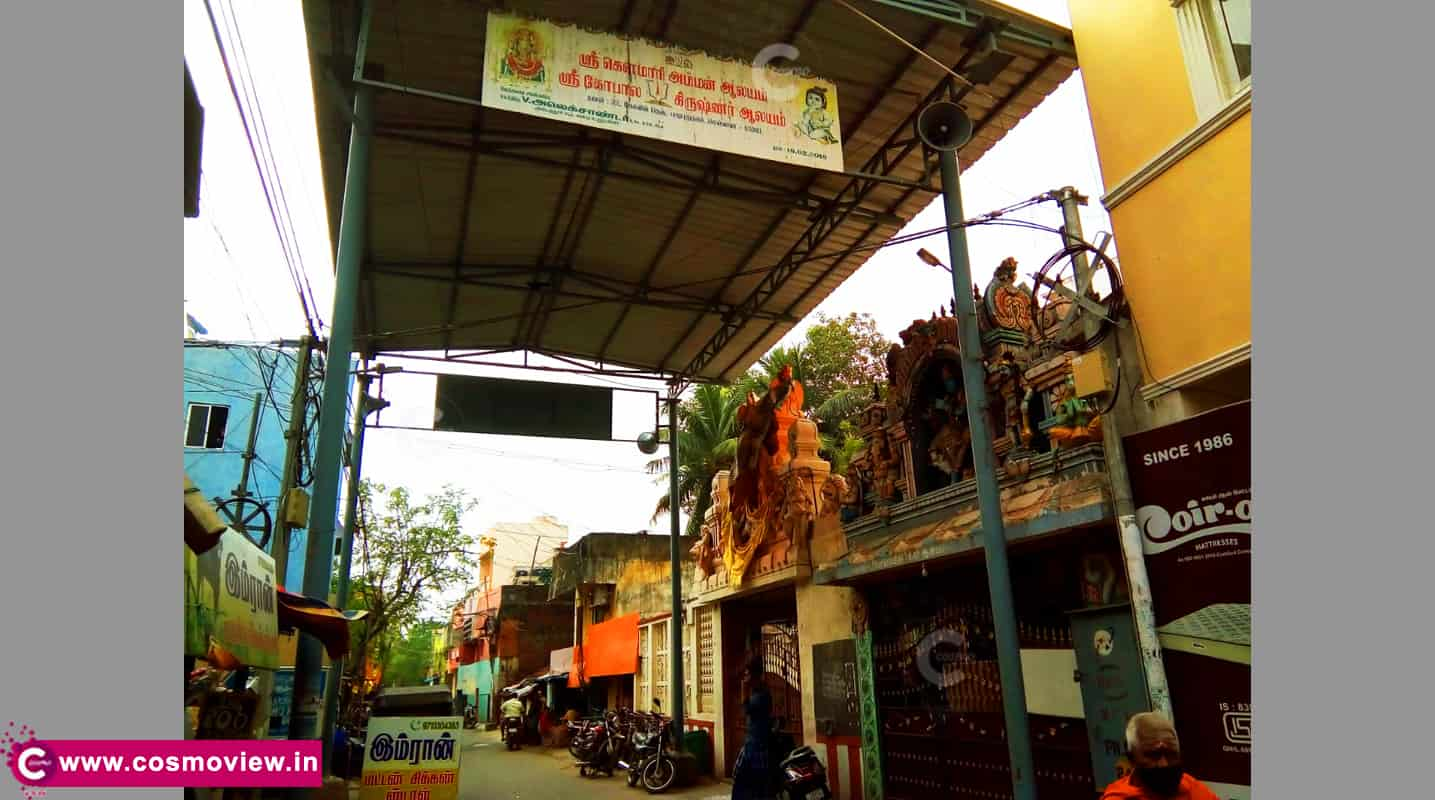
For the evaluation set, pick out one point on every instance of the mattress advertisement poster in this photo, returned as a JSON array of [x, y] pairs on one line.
[[1191, 483]]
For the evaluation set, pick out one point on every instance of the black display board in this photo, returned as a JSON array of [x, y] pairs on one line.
[[835, 689], [469, 404]]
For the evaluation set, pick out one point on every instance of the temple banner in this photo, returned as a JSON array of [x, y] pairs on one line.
[[1192, 485], [660, 91], [412, 758]]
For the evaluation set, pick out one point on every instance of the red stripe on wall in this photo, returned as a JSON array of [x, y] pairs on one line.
[[853, 746], [854, 765]]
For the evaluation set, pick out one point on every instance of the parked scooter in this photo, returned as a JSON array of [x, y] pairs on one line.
[[800, 774]]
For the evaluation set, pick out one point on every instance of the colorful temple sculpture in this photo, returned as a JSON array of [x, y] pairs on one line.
[[909, 550], [864, 594], [918, 438], [763, 511]]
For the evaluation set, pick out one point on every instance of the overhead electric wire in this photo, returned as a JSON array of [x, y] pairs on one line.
[[258, 163], [297, 273]]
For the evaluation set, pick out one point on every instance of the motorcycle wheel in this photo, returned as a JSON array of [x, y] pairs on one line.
[[659, 774], [633, 777], [582, 772]]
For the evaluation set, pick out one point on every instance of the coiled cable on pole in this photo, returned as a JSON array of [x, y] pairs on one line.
[[1115, 302]]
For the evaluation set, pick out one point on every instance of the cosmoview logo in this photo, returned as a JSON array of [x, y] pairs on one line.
[[31, 762], [35, 763]]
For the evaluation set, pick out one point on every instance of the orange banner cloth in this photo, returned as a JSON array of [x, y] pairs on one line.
[[609, 648]]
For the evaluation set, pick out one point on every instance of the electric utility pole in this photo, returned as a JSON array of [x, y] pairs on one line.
[[294, 436], [1130, 533]]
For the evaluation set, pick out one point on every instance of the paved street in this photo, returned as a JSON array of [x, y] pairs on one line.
[[490, 772]]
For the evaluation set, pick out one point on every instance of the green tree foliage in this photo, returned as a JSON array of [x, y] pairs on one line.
[[707, 444], [411, 654], [405, 551]]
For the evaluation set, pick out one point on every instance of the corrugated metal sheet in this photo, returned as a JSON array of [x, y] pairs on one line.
[[636, 267]]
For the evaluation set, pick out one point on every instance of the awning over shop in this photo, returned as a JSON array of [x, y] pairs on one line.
[[609, 648], [202, 524], [318, 619]]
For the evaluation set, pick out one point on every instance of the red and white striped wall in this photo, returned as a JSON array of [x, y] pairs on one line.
[[843, 757], [690, 724]]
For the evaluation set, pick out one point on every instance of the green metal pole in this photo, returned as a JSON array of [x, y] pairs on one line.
[[351, 507], [675, 656], [318, 566], [1018, 731]]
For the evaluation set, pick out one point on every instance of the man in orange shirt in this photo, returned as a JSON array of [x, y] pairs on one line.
[[1155, 754]]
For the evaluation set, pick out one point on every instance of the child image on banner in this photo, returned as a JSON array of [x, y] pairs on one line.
[[522, 61], [815, 122]]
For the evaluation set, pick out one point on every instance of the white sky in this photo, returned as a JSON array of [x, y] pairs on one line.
[[238, 285]]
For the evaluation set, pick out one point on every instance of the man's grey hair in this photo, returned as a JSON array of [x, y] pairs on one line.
[[1145, 720]]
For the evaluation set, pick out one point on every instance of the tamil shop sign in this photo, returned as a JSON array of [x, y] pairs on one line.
[[412, 758]]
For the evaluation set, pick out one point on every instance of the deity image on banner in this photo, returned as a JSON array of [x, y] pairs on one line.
[[816, 120], [522, 61]]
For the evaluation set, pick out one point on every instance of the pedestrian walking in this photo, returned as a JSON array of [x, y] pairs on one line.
[[1156, 768], [752, 773]]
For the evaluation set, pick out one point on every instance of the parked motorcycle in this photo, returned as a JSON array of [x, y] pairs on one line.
[[644, 739], [660, 769], [595, 752]]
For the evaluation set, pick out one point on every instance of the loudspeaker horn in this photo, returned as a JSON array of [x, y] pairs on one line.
[[944, 126]]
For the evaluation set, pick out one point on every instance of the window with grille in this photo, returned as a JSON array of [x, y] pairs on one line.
[[204, 426], [643, 701], [661, 647], [687, 673], [705, 660]]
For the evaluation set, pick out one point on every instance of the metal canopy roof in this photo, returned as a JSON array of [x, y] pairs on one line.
[[490, 231]]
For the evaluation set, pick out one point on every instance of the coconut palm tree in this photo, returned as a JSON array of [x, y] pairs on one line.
[[765, 371], [707, 444]]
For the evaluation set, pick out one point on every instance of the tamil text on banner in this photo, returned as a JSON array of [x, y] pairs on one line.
[[231, 610], [411, 758], [660, 91], [1191, 482]]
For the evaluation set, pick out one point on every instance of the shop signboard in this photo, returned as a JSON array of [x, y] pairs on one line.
[[231, 601], [412, 758], [660, 91], [1191, 482]]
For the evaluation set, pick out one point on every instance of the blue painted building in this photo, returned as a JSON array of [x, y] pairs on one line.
[[220, 383]]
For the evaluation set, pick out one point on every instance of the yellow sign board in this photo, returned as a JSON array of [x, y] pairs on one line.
[[660, 91], [231, 601], [412, 758]]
